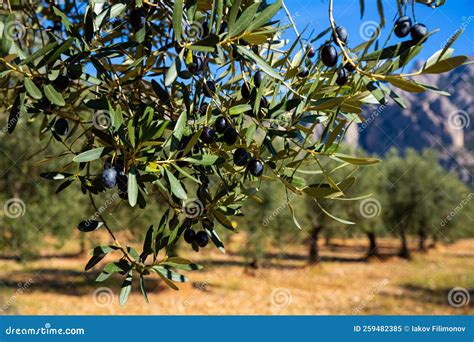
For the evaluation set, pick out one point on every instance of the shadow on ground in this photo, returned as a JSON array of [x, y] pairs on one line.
[[65, 281], [437, 296]]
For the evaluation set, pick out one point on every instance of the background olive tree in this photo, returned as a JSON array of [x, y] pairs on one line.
[[417, 195]]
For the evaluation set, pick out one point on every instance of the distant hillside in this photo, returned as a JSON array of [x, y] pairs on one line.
[[444, 123]]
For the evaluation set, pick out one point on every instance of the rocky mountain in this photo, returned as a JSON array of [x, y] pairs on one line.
[[431, 120]]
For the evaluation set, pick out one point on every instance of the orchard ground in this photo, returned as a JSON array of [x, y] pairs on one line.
[[341, 284]]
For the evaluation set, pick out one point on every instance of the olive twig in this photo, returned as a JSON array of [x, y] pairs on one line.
[[109, 230], [351, 61], [290, 18], [14, 68]]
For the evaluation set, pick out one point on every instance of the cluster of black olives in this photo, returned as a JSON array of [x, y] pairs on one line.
[[329, 57], [201, 238], [404, 26], [63, 81], [254, 166], [249, 94], [328, 53], [229, 135], [221, 129]]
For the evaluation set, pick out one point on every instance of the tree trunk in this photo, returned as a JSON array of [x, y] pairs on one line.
[[255, 264], [404, 252], [422, 240], [327, 241], [313, 257], [373, 248]]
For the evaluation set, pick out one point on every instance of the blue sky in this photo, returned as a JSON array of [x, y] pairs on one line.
[[448, 18]]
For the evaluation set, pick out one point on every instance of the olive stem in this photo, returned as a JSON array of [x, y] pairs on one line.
[[14, 68], [112, 235], [351, 61], [290, 18]]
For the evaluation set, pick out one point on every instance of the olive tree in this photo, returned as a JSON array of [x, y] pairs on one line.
[[366, 213], [440, 194], [22, 225], [417, 195], [181, 104]]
